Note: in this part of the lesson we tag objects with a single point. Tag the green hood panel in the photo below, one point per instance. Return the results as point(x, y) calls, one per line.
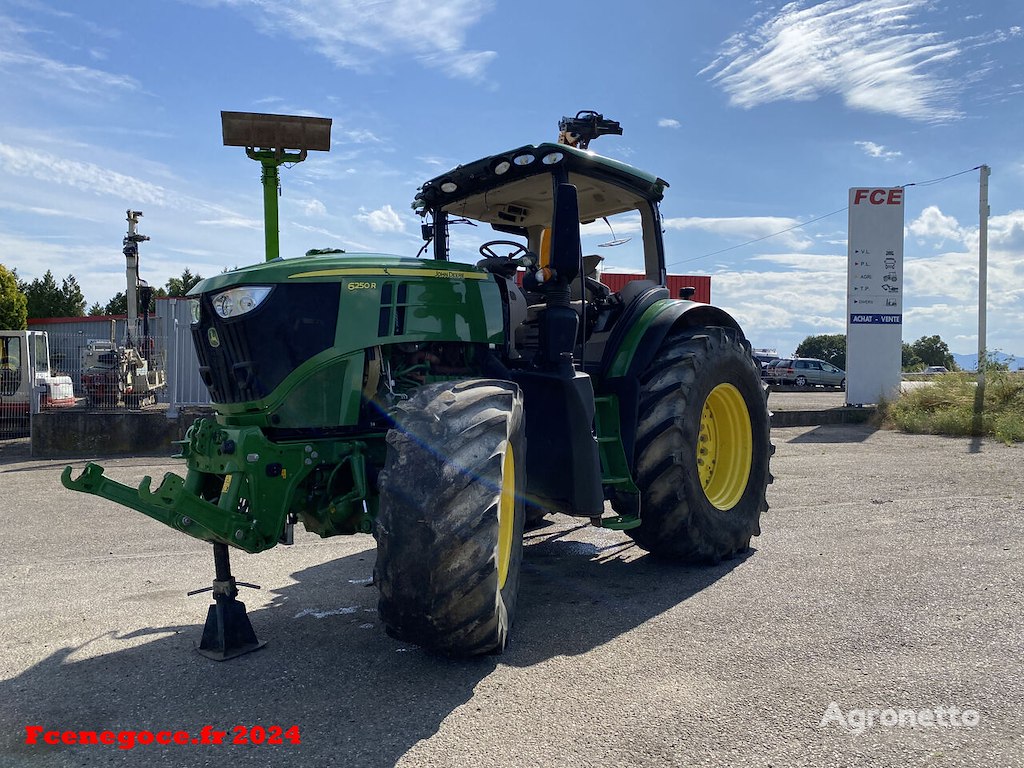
point(333, 267)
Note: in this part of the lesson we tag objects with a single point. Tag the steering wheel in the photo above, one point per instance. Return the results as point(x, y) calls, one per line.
point(517, 249)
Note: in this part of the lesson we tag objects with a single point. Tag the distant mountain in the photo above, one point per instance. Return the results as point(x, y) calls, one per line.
point(970, 362)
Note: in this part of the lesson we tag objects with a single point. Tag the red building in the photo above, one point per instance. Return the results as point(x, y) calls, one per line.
point(616, 280)
point(702, 283)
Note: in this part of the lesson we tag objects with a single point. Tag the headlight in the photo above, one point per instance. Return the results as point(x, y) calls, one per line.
point(193, 308)
point(238, 301)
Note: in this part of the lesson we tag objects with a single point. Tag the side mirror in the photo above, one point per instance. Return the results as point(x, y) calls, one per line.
point(566, 252)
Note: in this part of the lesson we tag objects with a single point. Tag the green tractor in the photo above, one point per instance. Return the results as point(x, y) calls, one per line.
point(442, 406)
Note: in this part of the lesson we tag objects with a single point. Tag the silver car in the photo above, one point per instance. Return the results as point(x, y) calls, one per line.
point(809, 371)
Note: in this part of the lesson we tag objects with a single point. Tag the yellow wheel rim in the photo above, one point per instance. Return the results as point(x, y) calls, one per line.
point(506, 515)
point(724, 447)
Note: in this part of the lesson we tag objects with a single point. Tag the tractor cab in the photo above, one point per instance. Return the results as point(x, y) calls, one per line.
point(535, 254)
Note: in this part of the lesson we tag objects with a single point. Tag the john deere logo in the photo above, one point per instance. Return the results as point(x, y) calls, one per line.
point(211, 334)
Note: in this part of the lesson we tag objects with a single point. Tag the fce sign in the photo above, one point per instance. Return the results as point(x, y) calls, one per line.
point(892, 196)
point(874, 295)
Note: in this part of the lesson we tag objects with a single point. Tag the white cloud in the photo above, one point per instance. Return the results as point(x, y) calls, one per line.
point(877, 150)
point(933, 223)
point(233, 222)
point(66, 76)
point(1007, 231)
point(668, 122)
point(36, 210)
point(876, 54)
point(53, 169)
point(18, 59)
point(314, 208)
point(436, 162)
point(333, 238)
point(383, 219)
point(358, 136)
point(103, 184)
point(354, 33)
point(781, 308)
point(793, 295)
point(747, 228)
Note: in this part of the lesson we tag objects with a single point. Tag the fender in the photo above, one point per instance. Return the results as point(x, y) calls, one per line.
point(624, 363)
point(637, 347)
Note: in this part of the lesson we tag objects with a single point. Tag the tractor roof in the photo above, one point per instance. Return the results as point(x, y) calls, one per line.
point(514, 188)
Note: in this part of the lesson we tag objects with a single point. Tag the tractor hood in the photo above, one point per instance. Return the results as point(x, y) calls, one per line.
point(330, 268)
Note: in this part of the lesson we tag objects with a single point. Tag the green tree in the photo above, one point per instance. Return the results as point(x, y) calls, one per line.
point(830, 347)
point(43, 296)
point(180, 286)
point(13, 304)
point(95, 310)
point(932, 350)
point(47, 299)
point(910, 362)
point(74, 301)
point(117, 305)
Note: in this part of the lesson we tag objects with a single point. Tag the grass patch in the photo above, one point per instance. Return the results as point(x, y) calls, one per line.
point(950, 406)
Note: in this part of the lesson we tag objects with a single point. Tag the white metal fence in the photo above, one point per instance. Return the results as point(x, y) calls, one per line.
point(171, 352)
point(184, 386)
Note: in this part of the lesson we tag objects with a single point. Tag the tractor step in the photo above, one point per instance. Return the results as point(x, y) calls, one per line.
point(614, 465)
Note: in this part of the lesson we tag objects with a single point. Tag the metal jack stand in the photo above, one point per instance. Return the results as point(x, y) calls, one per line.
point(228, 632)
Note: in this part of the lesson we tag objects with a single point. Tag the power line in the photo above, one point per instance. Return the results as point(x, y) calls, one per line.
point(927, 183)
point(758, 239)
point(941, 178)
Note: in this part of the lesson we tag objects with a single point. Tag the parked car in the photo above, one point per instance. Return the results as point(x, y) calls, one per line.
point(809, 371)
point(765, 360)
point(780, 371)
point(936, 369)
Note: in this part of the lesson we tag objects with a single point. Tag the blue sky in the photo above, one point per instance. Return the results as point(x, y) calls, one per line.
point(759, 115)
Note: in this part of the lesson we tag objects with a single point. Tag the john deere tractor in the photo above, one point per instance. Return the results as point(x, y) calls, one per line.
point(441, 405)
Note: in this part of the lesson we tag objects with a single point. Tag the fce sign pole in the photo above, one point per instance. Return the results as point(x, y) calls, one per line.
point(874, 295)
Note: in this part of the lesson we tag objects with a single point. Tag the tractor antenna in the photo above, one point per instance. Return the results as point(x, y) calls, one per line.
point(579, 131)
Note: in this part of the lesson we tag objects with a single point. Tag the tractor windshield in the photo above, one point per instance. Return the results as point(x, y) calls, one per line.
point(513, 193)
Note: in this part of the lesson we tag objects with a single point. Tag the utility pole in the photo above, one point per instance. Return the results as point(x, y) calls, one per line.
point(983, 212)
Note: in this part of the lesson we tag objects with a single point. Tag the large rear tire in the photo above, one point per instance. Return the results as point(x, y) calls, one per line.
point(702, 447)
point(450, 528)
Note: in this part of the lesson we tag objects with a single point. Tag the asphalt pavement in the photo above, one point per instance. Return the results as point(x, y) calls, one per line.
point(886, 585)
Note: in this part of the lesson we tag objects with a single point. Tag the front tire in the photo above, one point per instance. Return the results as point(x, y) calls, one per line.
point(702, 447)
point(450, 528)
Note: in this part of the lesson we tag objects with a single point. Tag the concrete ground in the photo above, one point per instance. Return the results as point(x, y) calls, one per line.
point(888, 577)
point(805, 399)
